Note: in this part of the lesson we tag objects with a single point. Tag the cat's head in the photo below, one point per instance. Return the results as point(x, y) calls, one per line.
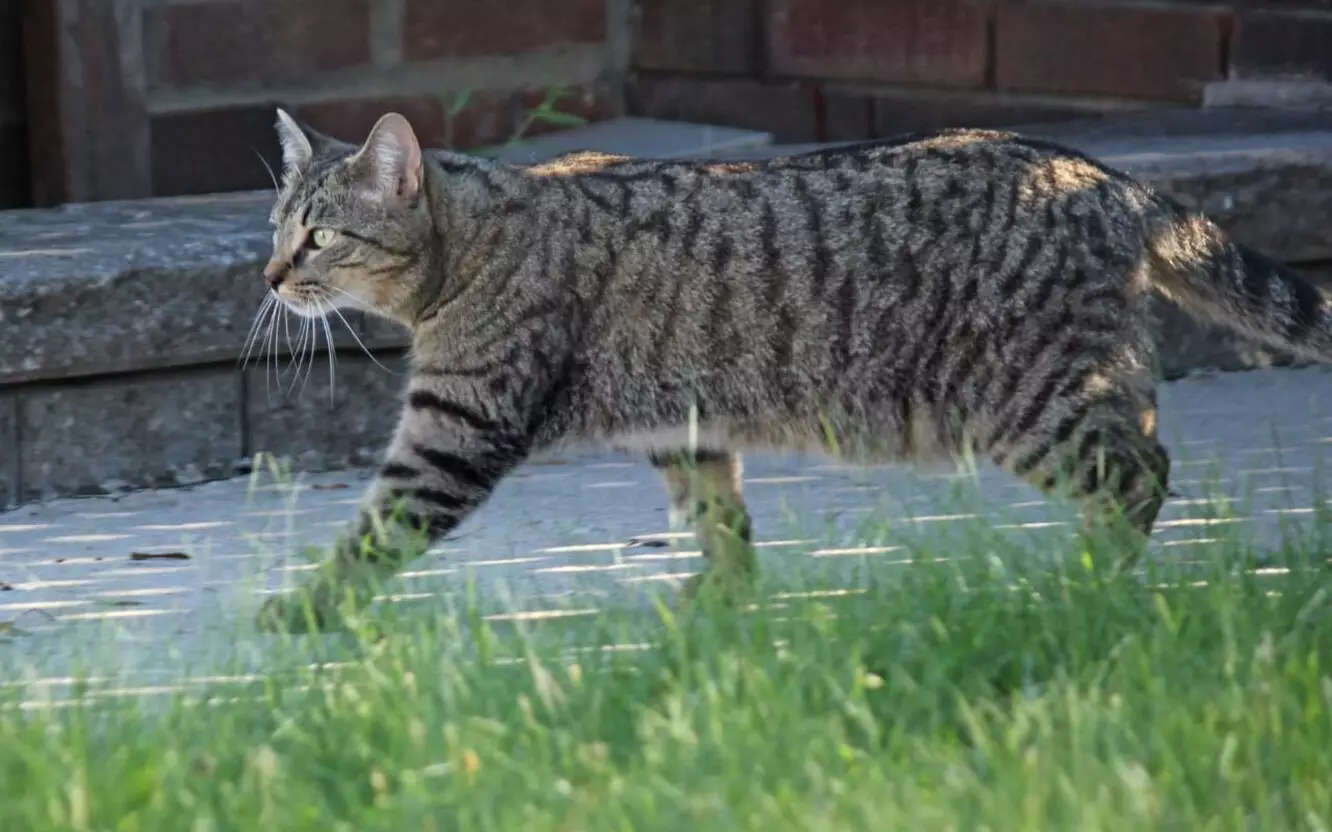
point(352, 224)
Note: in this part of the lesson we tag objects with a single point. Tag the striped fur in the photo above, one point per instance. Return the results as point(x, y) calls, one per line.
point(960, 292)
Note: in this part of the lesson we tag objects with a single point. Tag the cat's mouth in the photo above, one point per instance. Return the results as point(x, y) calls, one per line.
point(305, 307)
point(309, 300)
point(318, 299)
point(306, 310)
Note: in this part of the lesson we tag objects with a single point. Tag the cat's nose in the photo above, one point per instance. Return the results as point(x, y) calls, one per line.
point(276, 272)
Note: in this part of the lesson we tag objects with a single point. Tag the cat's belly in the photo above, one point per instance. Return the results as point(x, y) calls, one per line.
point(920, 447)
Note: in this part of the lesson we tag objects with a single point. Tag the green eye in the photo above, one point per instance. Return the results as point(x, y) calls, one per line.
point(322, 237)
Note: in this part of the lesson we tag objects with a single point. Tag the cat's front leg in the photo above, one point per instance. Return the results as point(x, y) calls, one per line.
point(443, 463)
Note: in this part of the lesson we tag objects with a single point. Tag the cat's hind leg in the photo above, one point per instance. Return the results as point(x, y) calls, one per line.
point(704, 487)
point(1103, 452)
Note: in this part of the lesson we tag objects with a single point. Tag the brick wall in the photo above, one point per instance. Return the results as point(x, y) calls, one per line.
point(169, 97)
point(851, 69)
point(13, 116)
point(142, 97)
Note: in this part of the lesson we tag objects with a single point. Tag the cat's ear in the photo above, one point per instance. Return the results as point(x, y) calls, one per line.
point(296, 146)
point(390, 160)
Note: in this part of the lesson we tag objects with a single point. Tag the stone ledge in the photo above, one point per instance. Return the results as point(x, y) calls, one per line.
point(126, 319)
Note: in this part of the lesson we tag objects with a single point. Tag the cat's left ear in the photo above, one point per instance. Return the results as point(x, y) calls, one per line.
point(296, 146)
point(390, 160)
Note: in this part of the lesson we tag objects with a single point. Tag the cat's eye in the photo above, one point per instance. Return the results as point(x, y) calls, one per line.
point(322, 237)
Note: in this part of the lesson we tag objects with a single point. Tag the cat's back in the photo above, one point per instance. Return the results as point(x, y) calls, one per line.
point(940, 151)
point(917, 181)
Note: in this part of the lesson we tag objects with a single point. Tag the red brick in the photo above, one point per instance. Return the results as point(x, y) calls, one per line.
point(14, 191)
point(588, 103)
point(472, 28)
point(1130, 51)
point(254, 40)
point(234, 138)
point(846, 117)
point(351, 119)
point(940, 42)
point(14, 167)
point(697, 35)
point(852, 113)
point(234, 135)
point(87, 116)
point(489, 117)
point(787, 110)
point(11, 64)
point(903, 111)
point(1272, 45)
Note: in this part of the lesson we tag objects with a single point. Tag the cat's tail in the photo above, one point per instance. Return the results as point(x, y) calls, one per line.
point(1214, 279)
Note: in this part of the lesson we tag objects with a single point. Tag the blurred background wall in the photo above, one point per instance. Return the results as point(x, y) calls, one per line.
point(103, 99)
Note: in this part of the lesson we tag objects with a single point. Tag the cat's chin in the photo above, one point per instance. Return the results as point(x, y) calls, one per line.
point(307, 310)
point(315, 309)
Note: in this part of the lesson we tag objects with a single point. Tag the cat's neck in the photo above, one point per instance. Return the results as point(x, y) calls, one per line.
point(466, 195)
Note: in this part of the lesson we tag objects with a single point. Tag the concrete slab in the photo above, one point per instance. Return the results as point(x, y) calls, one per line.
point(106, 435)
point(555, 537)
point(114, 287)
point(322, 420)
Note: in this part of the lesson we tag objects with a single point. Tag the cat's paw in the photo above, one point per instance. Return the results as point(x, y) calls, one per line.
point(296, 613)
point(730, 589)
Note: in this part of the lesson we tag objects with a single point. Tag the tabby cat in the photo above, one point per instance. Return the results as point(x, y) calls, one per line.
point(939, 295)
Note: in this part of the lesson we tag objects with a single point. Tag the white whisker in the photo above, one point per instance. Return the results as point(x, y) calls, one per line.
point(268, 168)
point(357, 338)
point(293, 351)
point(310, 342)
point(271, 370)
point(286, 326)
point(302, 342)
point(332, 352)
point(360, 301)
point(255, 327)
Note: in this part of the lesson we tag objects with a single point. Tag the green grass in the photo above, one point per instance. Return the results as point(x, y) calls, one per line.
point(1001, 689)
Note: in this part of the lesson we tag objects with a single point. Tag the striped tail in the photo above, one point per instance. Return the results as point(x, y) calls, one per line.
point(1219, 281)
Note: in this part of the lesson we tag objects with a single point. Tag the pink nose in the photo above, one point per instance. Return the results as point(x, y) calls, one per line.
point(276, 272)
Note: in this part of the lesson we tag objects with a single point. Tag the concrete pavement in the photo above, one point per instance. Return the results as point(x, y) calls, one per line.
point(150, 586)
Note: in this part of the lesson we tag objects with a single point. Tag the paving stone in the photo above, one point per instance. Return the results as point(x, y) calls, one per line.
point(320, 425)
point(106, 435)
